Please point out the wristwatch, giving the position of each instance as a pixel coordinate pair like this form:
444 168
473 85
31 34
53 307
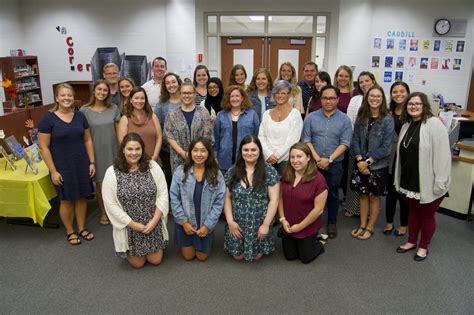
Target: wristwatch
330 160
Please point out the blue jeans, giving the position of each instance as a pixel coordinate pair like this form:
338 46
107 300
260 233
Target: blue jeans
333 179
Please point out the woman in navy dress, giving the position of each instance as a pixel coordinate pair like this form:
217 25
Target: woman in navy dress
66 144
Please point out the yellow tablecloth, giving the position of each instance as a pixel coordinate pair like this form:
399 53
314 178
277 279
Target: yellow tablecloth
25 195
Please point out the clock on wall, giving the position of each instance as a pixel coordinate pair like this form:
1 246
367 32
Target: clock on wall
442 26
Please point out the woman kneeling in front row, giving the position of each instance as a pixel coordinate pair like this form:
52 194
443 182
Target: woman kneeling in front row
136 201
302 200
197 199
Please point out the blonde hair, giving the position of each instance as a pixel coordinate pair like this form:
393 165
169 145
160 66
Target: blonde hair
351 77
56 92
293 82
110 65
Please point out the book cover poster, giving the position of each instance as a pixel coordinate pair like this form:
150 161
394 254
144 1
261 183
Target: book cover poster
398 75
411 77
411 64
400 62
413 44
390 44
424 63
387 77
7 158
377 43
448 45
446 63
460 46
434 63
437 45
457 64
426 45
402 44
388 61
375 61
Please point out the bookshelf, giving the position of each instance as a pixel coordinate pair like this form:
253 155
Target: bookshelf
23 71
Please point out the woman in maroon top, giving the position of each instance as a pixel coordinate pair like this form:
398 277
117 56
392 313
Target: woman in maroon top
302 200
343 80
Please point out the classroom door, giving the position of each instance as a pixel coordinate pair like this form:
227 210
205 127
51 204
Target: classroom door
268 52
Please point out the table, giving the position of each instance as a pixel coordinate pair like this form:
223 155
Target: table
25 195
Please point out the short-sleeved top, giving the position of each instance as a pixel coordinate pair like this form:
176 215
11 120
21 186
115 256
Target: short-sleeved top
147 132
298 202
69 154
104 137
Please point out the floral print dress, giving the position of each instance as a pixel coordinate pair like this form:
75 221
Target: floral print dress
249 208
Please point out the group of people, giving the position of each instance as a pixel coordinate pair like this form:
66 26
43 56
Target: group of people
267 152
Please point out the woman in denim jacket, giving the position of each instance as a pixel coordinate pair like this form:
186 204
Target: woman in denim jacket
233 123
260 91
197 199
371 144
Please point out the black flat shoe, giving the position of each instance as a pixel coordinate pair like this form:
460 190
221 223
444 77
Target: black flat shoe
420 258
402 250
398 233
388 232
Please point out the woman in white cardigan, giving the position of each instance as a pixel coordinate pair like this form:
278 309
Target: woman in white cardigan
136 200
423 170
281 127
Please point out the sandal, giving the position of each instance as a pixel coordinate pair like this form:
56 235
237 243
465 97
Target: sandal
357 231
348 214
366 235
86 235
73 238
104 220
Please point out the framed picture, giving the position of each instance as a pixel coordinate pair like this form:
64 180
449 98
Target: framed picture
35 153
29 162
7 158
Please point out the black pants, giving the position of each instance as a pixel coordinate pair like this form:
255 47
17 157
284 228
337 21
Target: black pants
391 204
305 249
165 160
345 172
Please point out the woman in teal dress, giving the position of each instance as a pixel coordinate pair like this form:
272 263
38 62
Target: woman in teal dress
250 204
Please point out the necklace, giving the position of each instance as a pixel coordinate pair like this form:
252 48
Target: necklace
404 143
235 117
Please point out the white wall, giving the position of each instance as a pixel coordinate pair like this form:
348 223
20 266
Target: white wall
361 20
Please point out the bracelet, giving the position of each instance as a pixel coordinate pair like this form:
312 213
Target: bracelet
93 163
281 219
184 222
369 162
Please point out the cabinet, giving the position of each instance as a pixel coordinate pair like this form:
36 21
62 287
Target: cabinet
24 73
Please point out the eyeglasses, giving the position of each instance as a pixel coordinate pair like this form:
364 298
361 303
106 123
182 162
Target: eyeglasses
212 87
325 98
412 104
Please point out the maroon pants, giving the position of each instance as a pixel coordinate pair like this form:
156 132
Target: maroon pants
421 220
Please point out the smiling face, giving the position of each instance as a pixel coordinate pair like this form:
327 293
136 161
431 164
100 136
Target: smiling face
138 100
250 152
213 89
111 75
415 108
201 77
159 69
286 73
199 154
343 78
299 160
101 92
240 76
187 94
261 81
236 99
132 152
65 98
365 83
282 97
171 84
329 100
399 94
319 84
374 99
125 88
309 73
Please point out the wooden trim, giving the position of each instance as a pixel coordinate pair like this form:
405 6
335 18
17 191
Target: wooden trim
462 159
465 146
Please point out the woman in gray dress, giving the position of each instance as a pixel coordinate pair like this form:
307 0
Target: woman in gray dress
102 117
